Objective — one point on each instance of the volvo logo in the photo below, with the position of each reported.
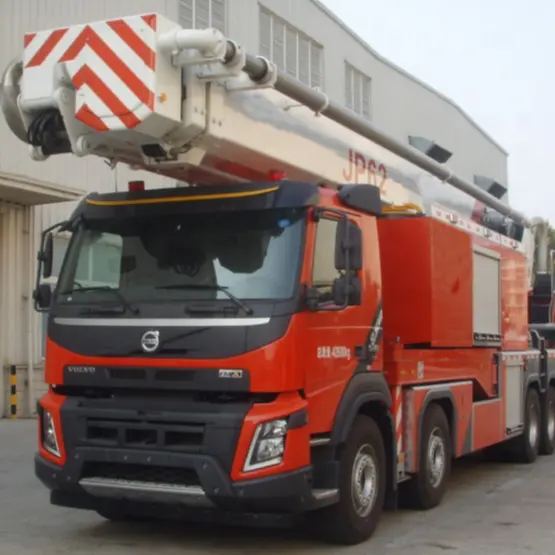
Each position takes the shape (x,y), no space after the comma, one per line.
(81,369)
(150,341)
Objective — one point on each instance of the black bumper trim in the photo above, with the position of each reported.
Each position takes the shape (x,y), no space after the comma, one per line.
(287,493)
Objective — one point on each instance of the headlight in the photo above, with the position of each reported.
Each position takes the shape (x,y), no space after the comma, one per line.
(267,446)
(49,438)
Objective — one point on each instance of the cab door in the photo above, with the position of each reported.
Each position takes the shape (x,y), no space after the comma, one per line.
(340,341)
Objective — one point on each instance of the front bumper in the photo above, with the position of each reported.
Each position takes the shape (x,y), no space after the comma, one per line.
(167,456)
(75,486)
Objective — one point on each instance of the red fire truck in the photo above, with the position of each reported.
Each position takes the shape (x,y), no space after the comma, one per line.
(314,325)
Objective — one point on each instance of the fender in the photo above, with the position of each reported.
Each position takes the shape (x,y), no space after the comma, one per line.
(435,396)
(533,378)
(362,388)
(536,371)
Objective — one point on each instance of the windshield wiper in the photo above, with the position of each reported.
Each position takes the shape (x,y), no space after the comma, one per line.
(104,309)
(212,309)
(248,310)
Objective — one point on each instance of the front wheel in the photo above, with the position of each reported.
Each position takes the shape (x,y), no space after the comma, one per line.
(362,484)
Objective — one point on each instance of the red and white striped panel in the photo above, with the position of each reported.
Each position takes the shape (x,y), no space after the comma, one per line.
(520,357)
(112,65)
(470,226)
(398,416)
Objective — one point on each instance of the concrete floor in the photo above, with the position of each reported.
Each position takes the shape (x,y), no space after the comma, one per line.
(491,508)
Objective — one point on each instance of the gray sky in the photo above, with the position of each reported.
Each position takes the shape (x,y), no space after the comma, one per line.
(495,58)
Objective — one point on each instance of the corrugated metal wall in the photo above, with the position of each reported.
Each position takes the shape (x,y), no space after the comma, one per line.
(15,287)
(14,291)
(20,226)
(20,16)
(21,327)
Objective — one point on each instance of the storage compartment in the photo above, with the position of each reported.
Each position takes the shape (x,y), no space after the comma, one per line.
(486,302)
(427,282)
(514,403)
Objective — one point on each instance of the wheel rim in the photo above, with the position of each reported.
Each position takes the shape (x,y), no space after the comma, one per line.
(364,481)
(551,421)
(436,458)
(533,426)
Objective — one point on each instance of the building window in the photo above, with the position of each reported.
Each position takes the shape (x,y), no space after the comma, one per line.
(357,91)
(202,14)
(291,50)
(324,271)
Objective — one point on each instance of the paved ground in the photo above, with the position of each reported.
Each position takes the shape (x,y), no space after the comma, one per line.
(492,508)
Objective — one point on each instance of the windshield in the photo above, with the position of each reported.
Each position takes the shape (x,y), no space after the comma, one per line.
(247,255)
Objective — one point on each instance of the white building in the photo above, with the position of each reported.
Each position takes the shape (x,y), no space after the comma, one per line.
(301,36)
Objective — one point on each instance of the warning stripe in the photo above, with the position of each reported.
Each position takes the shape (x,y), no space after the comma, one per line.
(398,415)
(28,39)
(46,49)
(375,333)
(86,76)
(117,72)
(88,117)
(150,20)
(441,213)
(90,39)
(130,37)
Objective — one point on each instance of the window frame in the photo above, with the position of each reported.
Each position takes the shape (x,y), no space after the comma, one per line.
(335,220)
(351,74)
(268,50)
(194,8)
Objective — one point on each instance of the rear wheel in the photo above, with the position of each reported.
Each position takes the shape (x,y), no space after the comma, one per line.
(547,441)
(525,448)
(428,486)
(362,484)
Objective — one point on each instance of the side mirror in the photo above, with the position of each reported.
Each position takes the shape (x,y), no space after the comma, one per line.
(347,291)
(348,246)
(43,297)
(46,256)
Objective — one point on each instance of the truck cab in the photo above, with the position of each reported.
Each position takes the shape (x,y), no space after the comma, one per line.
(217,357)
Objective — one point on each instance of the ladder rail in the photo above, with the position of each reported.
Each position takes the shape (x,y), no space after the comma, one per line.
(258,69)
(212,46)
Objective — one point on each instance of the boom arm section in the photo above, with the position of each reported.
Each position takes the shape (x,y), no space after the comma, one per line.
(192,105)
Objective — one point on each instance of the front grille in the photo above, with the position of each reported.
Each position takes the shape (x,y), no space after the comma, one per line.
(136,434)
(141,473)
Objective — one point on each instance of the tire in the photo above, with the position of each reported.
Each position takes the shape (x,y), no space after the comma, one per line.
(525,448)
(428,486)
(547,439)
(355,516)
